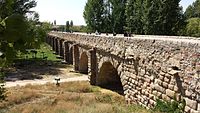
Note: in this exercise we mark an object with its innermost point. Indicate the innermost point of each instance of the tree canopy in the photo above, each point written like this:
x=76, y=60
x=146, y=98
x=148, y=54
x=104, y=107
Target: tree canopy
x=152, y=17
x=193, y=11
x=18, y=31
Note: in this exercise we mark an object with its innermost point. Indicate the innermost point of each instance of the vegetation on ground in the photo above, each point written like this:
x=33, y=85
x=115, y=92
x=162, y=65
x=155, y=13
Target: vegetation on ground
x=170, y=106
x=44, y=52
x=72, y=97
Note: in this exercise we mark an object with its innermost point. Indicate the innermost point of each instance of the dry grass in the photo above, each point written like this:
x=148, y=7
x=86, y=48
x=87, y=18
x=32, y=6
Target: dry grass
x=72, y=97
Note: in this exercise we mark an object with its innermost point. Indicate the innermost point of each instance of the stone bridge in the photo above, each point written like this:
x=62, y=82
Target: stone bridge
x=145, y=68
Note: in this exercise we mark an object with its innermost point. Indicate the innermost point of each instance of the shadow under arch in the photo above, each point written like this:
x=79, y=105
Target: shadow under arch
x=83, y=63
x=108, y=78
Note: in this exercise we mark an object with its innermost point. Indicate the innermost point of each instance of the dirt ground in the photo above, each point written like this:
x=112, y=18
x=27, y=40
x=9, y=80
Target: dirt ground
x=41, y=74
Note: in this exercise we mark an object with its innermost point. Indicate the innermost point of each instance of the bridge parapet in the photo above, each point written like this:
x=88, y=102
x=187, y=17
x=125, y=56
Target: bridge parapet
x=149, y=67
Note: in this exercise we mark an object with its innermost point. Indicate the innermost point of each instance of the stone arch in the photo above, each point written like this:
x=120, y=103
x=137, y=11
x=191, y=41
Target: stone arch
x=83, y=63
x=108, y=77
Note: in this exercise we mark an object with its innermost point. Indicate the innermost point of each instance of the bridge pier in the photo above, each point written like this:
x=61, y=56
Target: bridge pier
x=76, y=58
x=61, y=49
x=66, y=52
x=57, y=45
x=94, y=70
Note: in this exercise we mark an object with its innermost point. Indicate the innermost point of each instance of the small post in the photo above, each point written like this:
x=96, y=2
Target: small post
x=57, y=79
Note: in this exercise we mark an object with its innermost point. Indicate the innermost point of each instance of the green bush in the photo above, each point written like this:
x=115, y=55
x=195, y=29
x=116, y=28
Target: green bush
x=169, y=106
x=193, y=27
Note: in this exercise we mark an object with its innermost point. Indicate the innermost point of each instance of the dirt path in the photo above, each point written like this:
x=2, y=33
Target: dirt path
x=44, y=81
x=37, y=75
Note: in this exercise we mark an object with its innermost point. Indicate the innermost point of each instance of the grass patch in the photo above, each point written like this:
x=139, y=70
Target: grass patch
x=72, y=97
x=41, y=53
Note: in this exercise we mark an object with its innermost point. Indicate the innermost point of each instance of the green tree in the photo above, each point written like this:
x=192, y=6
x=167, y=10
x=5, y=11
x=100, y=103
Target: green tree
x=106, y=17
x=170, y=17
x=193, y=27
x=151, y=17
x=71, y=23
x=130, y=15
x=93, y=14
x=67, y=26
x=118, y=15
x=193, y=10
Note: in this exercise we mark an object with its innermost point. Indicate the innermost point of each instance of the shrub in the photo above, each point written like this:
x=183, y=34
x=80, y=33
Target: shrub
x=193, y=27
x=170, y=106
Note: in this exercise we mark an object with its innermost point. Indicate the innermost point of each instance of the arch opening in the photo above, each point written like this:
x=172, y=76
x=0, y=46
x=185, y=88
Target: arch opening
x=108, y=78
x=83, y=64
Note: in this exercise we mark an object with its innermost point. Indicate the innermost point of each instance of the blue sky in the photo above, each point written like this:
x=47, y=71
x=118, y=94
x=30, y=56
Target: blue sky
x=63, y=10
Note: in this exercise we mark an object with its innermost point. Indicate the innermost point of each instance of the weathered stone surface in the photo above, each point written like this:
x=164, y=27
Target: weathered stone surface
x=165, y=97
x=191, y=103
x=148, y=66
x=171, y=87
x=198, y=108
x=170, y=93
x=165, y=85
x=187, y=109
x=194, y=111
x=159, y=88
x=188, y=93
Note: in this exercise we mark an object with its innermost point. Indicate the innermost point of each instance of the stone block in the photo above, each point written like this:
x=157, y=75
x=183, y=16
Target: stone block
x=198, y=108
x=191, y=103
x=194, y=111
x=168, y=76
x=159, y=94
x=151, y=96
x=159, y=88
x=174, y=72
x=166, y=79
x=187, y=109
x=178, y=97
x=188, y=93
x=170, y=93
x=152, y=102
x=165, y=85
x=161, y=77
x=171, y=87
x=165, y=97
x=175, y=88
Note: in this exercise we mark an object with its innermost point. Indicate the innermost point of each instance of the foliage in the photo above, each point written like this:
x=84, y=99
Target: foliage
x=71, y=23
x=79, y=28
x=193, y=27
x=43, y=51
x=118, y=15
x=67, y=26
x=193, y=11
x=152, y=17
x=93, y=14
x=170, y=107
x=18, y=32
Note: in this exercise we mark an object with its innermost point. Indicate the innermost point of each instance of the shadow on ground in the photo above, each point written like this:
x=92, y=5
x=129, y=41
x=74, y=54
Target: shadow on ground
x=33, y=69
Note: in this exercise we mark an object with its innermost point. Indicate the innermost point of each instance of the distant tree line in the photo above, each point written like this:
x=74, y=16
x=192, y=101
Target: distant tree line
x=149, y=17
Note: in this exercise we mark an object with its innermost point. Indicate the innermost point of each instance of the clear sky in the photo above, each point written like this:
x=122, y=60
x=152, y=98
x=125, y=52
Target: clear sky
x=63, y=10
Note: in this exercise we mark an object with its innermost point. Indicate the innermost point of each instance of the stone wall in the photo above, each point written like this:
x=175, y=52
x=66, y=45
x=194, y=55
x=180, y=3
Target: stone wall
x=150, y=67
